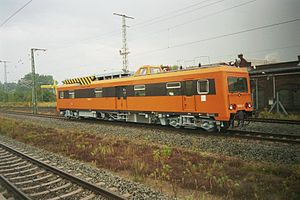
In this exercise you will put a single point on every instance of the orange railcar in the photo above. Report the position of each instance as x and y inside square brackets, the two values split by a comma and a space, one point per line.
[208, 98]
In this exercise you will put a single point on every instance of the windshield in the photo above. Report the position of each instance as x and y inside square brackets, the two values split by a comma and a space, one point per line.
[237, 84]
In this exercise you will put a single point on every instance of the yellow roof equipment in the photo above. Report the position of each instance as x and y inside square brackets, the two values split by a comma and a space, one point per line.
[83, 81]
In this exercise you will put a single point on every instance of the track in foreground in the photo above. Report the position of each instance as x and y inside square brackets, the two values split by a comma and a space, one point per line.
[285, 138]
[25, 177]
[275, 121]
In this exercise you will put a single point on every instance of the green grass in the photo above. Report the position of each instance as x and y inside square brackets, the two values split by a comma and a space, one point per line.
[266, 114]
[26, 104]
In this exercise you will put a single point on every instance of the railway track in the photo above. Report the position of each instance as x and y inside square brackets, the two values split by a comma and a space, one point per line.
[25, 177]
[31, 114]
[285, 138]
[276, 121]
[251, 119]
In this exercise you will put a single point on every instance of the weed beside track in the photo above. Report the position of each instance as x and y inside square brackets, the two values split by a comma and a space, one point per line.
[206, 173]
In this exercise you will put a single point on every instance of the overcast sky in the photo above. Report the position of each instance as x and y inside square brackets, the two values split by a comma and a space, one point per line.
[84, 37]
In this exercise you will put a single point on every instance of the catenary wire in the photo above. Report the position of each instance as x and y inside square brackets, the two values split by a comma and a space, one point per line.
[212, 14]
[193, 20]
[215, 37]
[174, 11]
[16, 12]
[177, 15]
[219, 36]
[257, 51]
[146, 22]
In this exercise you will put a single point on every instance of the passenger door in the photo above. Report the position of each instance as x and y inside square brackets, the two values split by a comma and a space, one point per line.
[121, 98]
[188, 96]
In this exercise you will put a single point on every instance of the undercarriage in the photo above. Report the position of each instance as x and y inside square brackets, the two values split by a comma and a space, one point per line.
[175, 120]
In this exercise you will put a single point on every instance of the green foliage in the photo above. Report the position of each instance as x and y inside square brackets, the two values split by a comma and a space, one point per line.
[99, 151]
[22, 91]
[161, 157]
[162, 154]
[266, 114]
[139, 167]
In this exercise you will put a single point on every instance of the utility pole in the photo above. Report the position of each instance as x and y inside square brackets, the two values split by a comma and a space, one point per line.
[5, 78]
[124, 51]
[5, 71]
[34, 92]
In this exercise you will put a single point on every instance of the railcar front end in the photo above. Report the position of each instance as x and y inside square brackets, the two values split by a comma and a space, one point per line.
[239, 97]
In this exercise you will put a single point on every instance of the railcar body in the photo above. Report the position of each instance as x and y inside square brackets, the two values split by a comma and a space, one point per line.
[207, 98]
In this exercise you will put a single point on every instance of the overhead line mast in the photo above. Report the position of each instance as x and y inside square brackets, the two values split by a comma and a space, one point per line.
[5, 71]
[124, 51]
[5, 78]
[34, 92]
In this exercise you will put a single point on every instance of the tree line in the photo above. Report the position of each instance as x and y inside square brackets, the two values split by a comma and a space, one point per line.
[22, 90]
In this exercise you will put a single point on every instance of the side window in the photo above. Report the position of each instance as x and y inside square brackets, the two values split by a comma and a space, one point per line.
[71, 94]
[173, 89]
[139, 90]
[203, 86]
[143, 71]
[61, 94]
[155, 70]
[98, 92]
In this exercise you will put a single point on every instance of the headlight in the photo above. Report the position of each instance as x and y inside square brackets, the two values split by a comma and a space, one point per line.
[232, 107]
[248, 105]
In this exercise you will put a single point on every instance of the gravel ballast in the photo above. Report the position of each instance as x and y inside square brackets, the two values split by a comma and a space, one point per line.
[241, 148]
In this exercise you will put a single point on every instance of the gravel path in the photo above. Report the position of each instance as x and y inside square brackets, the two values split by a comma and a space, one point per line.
[103, 178]
[245, 149]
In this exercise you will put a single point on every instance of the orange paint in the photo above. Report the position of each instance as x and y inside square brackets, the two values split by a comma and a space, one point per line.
[212, 104]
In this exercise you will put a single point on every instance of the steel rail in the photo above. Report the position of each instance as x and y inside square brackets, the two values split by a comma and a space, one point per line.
[277, 121]
[18, 194]
[31, 114]
[94, 188]
[286, 138]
